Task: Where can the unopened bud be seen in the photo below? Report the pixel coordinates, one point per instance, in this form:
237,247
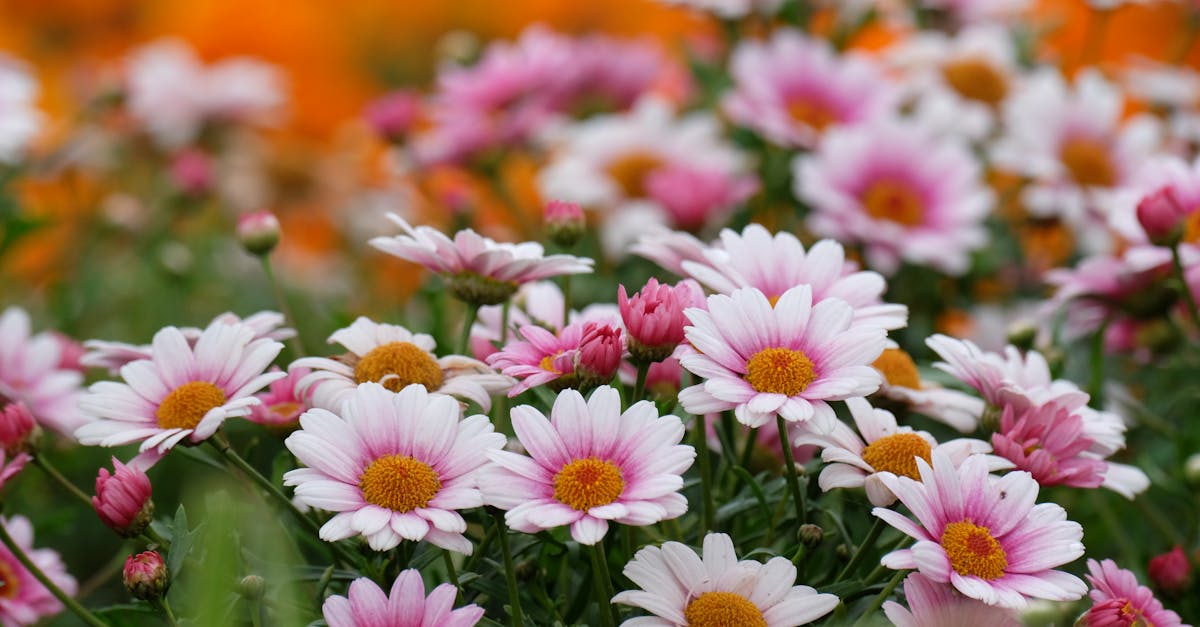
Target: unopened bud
258,232
145,576
1161,217
122,499
1022,334
564,221
1191,469
17,427
252,587
1171,572
811,535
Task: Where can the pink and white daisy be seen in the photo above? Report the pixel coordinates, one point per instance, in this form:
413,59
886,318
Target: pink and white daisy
479,270
789,359
792,88
903,383
931,604
182,391
366,605
680,588
539,303
281,405
1049,442
396,358
590,463
856,460
20,121
900,191
984,535
31,374
394,466
1118,599
26,601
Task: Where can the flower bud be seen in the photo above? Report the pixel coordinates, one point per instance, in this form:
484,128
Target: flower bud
1171,572
564,222
145,576
1161,216
252,587
1191,469
393,115
17,427
192,172
811,535
122,499
600,353
258,232
654,319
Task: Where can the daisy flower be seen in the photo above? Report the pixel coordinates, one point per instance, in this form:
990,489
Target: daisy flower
590,464
31,374
900,191
394,466
181,392
25,600
1117,599
1049,442
537,356
680,588
791,88
789,359
983,535
366,605
479,270
903,384
931,604
396,358
281,405
857,461
20,120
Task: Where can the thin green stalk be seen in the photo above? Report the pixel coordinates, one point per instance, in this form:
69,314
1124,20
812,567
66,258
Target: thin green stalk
71,604
865,547
1096,366
639,387
451,573
151,536
880,598
58,477
700,435
504,310
789,467
604,589
165,608
510,572
281,299
566,289
464,339
748,449
1177,264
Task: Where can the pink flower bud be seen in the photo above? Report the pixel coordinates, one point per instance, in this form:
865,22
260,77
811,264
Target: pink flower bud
654,318
192,172
145,575
1161,216
16,427
1171,572
600,353
122,499
258,231
393,115
565,222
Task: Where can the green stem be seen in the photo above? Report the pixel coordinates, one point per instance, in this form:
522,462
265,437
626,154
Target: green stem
1177,264
151,536
451,573
464,340
66,600
865,547
1096,366
296,341
604,591
50,470
700,435
504,310
639,387
510,572
789,467
877,602
748,449
566,289
165,608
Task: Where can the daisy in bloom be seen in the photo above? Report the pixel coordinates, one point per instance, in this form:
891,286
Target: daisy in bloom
280,405
983,535
182,391
1117,599
540,357
789,359
791,88
898,190
590,464
539,303
1048,441
25,600
366,605
902,383
931,604
394,466
20,120
479,270
31,374
396,358
857,461
680,588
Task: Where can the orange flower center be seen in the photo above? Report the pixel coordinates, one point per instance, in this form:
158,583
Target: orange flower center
898,368
547,363
630,172
397,365
811,113
723,609
895,202
1088,162
973,551
780,371
9,584
587,483
1191,226
897,454
186,405
976,79
399,483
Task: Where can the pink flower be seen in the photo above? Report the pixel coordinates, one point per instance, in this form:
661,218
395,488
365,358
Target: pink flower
539,357
600,352
1049,442
694,197
393,115
654,317
26,600
931,604
1159,200
281,404
983,535
788,360
366,605
122,499
900,191
1171,572
30,373
16,427
191,171
1118,600
145,575
589,464
14,465
394,466
1162,216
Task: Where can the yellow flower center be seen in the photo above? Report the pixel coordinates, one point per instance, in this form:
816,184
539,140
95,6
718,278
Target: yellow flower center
976,79
186,405
1088,162
973,551
587,483
897,454
723,609
547,363
1133,616
285,409
780,371
895,202
630,172
397,365
9,584
810,113
898,368
1191,226
399,483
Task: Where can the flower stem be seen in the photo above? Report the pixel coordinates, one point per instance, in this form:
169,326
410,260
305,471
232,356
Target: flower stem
701,438
510,572
604,591
71,604
877,602
1181,276
639,386
297,343
789,467
861,553
163,607
451,573
464,340
49,469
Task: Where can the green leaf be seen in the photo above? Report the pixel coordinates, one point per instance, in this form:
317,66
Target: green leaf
181,543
